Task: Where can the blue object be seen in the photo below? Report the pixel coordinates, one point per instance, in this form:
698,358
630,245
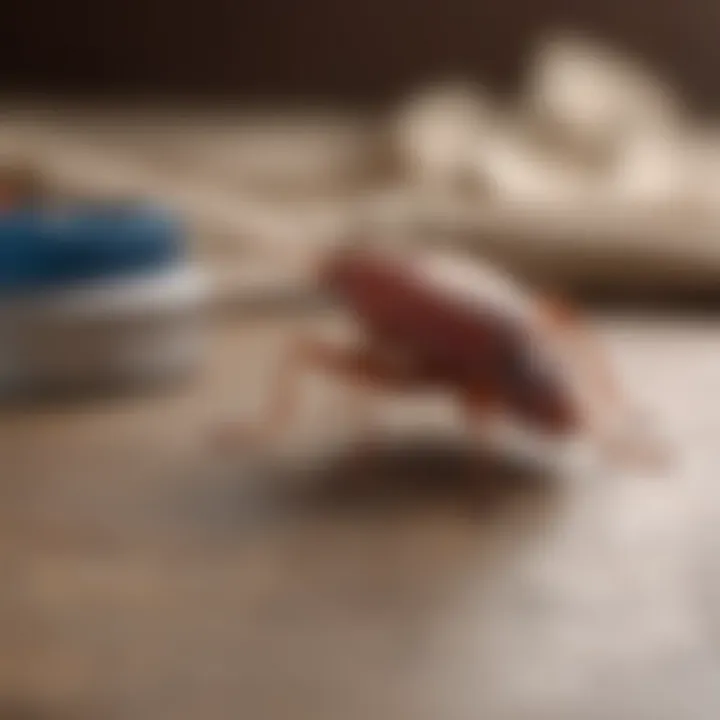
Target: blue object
44,248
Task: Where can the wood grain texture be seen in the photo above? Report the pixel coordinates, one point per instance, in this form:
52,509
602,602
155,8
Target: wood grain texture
146,578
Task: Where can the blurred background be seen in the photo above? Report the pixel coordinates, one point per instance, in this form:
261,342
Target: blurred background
329,52
170,174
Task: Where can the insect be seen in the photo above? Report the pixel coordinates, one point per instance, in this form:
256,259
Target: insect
435,320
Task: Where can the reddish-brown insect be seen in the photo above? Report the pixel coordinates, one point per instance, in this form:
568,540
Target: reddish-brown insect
434,320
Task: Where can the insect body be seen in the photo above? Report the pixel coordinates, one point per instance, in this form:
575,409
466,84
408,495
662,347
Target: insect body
463,326
431,320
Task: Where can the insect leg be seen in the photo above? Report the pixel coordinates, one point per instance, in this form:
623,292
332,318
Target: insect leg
363,369
376,367
560,318
303,354
481,406
623,440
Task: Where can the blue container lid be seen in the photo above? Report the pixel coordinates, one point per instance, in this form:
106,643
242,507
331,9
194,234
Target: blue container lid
44,248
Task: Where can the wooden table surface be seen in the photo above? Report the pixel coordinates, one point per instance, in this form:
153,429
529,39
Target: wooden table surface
146,578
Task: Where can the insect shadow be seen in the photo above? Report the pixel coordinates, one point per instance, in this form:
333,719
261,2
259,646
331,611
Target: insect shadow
91,395
413,473
416,519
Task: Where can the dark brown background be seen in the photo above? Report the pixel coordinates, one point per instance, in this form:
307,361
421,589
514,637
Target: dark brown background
332,49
